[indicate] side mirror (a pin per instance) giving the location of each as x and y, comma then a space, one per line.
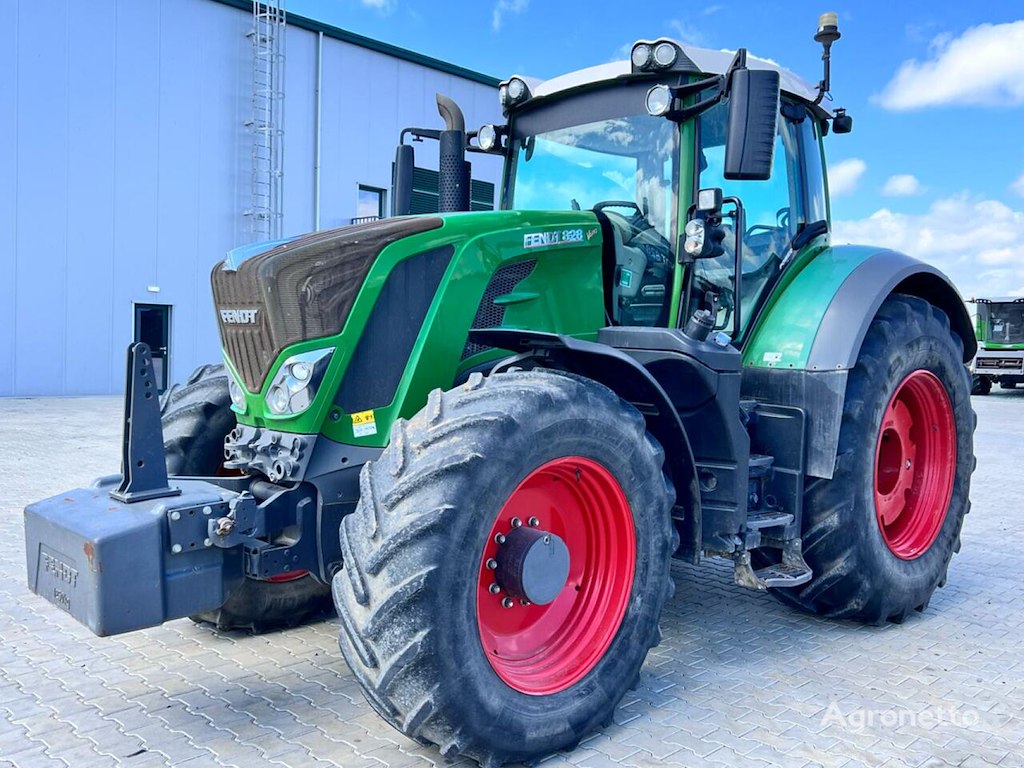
401, 184
753, 122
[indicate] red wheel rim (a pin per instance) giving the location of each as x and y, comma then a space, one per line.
543, 649
915, 465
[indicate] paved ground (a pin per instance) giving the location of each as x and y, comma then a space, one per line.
739, 680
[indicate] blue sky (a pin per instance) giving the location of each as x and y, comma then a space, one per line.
935, 164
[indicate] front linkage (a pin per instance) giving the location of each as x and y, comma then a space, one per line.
134, 551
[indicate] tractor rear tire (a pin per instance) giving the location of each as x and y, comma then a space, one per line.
980, 385
880, 534
196, 417
442, 651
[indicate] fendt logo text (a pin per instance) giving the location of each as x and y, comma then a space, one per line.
239, 316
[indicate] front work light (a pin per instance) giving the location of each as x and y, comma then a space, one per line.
642, 55
513, 92
294, 385
665, 54
659, 100
658, 55
487, 137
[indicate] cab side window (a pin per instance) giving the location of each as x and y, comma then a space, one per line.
773, 211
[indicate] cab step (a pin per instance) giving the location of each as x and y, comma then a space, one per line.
792, 571
768, 519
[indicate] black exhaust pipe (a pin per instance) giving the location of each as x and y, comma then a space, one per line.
453, 170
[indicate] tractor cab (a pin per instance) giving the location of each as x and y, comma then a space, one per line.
635, 141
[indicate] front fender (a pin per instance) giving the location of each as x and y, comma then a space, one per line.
819, 320
630, 381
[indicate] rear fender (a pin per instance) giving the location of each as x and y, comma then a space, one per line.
805, 343
819, 320
633, 383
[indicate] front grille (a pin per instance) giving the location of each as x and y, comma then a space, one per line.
1000, 363
489, 314
300, 290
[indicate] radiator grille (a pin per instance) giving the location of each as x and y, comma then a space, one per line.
489, 314
300, 290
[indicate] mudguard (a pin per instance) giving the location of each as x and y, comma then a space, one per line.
632, 382
801, 331
803, 345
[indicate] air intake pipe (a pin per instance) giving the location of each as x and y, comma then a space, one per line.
453, 170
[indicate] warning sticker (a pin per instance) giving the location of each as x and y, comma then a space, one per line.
772, 357
364, 424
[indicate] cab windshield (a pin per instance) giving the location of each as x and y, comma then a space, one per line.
625, 168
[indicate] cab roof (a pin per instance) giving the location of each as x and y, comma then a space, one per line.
709, 61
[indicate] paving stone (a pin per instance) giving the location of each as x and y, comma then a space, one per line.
738, 680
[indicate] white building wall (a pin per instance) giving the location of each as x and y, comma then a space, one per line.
124, 165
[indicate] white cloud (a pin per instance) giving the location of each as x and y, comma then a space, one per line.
1018, 185
506, 7
713, 9
902, 185
844, 176
384, 6
687, 34
985, 65
978, 243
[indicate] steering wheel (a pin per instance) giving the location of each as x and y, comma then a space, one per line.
637, 222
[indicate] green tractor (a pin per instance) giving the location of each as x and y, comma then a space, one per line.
999, 325
488, 434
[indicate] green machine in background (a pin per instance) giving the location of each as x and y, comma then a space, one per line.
999, 325
486, 435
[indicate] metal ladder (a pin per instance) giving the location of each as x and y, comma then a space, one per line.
269, 21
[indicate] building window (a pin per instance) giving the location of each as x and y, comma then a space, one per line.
369, 204
425, 198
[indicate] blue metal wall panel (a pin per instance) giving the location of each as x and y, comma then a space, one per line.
8, 199
91, 155
126, 166
41, 246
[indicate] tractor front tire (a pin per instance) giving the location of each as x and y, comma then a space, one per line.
445, 653
880, 534
980, 385
196, 417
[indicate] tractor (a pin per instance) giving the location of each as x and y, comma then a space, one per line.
999, 326
482, 437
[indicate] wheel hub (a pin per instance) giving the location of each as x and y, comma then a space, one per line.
533, 565
915, 465
555, 575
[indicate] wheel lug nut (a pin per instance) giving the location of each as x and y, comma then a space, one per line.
507, 602
908, 464
494, 589
499, 538
491, 563
516, 522
533, 522
523, 601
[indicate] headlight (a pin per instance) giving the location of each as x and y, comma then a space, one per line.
237, 395
659, 100
294, 385
487, 137
641, 55
665, 54
516, 89
694, 231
